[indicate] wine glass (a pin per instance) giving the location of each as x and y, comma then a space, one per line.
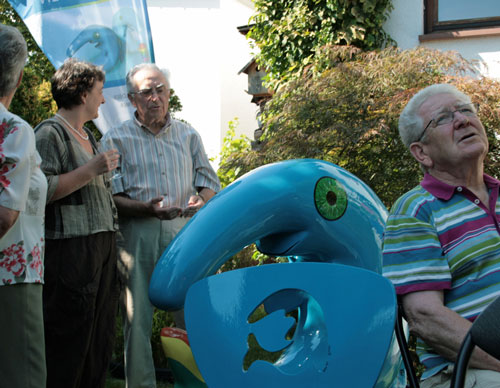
107, 145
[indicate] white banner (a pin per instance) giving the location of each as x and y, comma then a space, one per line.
114, 34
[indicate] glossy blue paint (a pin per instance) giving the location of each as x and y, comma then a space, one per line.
273, 206
344, 343
310, 211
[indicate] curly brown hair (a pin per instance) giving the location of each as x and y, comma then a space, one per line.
72, 80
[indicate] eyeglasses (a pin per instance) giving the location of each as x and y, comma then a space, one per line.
147, 93
447, 116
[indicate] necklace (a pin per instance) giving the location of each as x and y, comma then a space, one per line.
84, 137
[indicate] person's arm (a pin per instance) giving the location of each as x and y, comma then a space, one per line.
79, 177
206, 194
133, 208
203, 196
205, 180
442, 328
55, 153
8, 217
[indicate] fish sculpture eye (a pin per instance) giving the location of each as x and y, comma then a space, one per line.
330, 198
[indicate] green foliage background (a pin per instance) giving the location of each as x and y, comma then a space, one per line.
288, 33
345, 109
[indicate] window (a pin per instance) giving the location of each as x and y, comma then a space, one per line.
452, 15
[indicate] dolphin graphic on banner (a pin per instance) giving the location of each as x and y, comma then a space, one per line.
114, 34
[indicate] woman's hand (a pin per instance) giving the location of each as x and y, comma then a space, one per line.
104, 162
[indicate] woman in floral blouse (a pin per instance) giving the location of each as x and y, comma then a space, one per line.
23, 190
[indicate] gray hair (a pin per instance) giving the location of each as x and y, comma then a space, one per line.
132, 72
13, 54
411, 125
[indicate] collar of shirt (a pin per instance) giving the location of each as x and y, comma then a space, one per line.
445, 191
162, 131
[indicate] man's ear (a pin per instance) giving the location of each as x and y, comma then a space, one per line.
131, 99
20, 79
419, 152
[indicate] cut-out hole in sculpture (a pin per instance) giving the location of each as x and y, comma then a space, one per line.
256, 352
255, 349
288, 330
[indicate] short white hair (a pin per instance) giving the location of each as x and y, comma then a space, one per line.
411, 125
142, 66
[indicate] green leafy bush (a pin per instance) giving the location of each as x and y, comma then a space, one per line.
33, 99
345, 110
289, 32
232, 145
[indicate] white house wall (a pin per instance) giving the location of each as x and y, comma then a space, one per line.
198, 42
406, 23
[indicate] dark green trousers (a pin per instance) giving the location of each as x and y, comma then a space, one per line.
22, 345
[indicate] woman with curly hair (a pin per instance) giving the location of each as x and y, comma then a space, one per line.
81, 288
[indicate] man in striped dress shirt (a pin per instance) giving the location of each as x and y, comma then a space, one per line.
166, 178
442, 239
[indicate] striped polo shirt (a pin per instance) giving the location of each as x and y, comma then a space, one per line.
441, 237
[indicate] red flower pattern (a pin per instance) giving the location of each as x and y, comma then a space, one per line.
3, 179
4, 132
3, 127
13, 263
36, 263
13, 260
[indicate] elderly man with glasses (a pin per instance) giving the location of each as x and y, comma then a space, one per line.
442, 239
165, 178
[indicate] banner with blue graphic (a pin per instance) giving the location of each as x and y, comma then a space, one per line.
114, 34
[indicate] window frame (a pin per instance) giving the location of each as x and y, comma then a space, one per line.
432, 25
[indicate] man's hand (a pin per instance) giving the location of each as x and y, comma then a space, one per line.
164, 213
194, 204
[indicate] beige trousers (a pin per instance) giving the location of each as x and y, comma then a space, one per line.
141, 243
475, 378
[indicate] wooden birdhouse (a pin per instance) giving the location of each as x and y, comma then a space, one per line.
255, 79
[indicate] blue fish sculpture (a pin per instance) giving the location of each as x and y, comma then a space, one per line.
327, 325
330, 313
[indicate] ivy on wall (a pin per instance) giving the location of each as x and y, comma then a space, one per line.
288, 33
